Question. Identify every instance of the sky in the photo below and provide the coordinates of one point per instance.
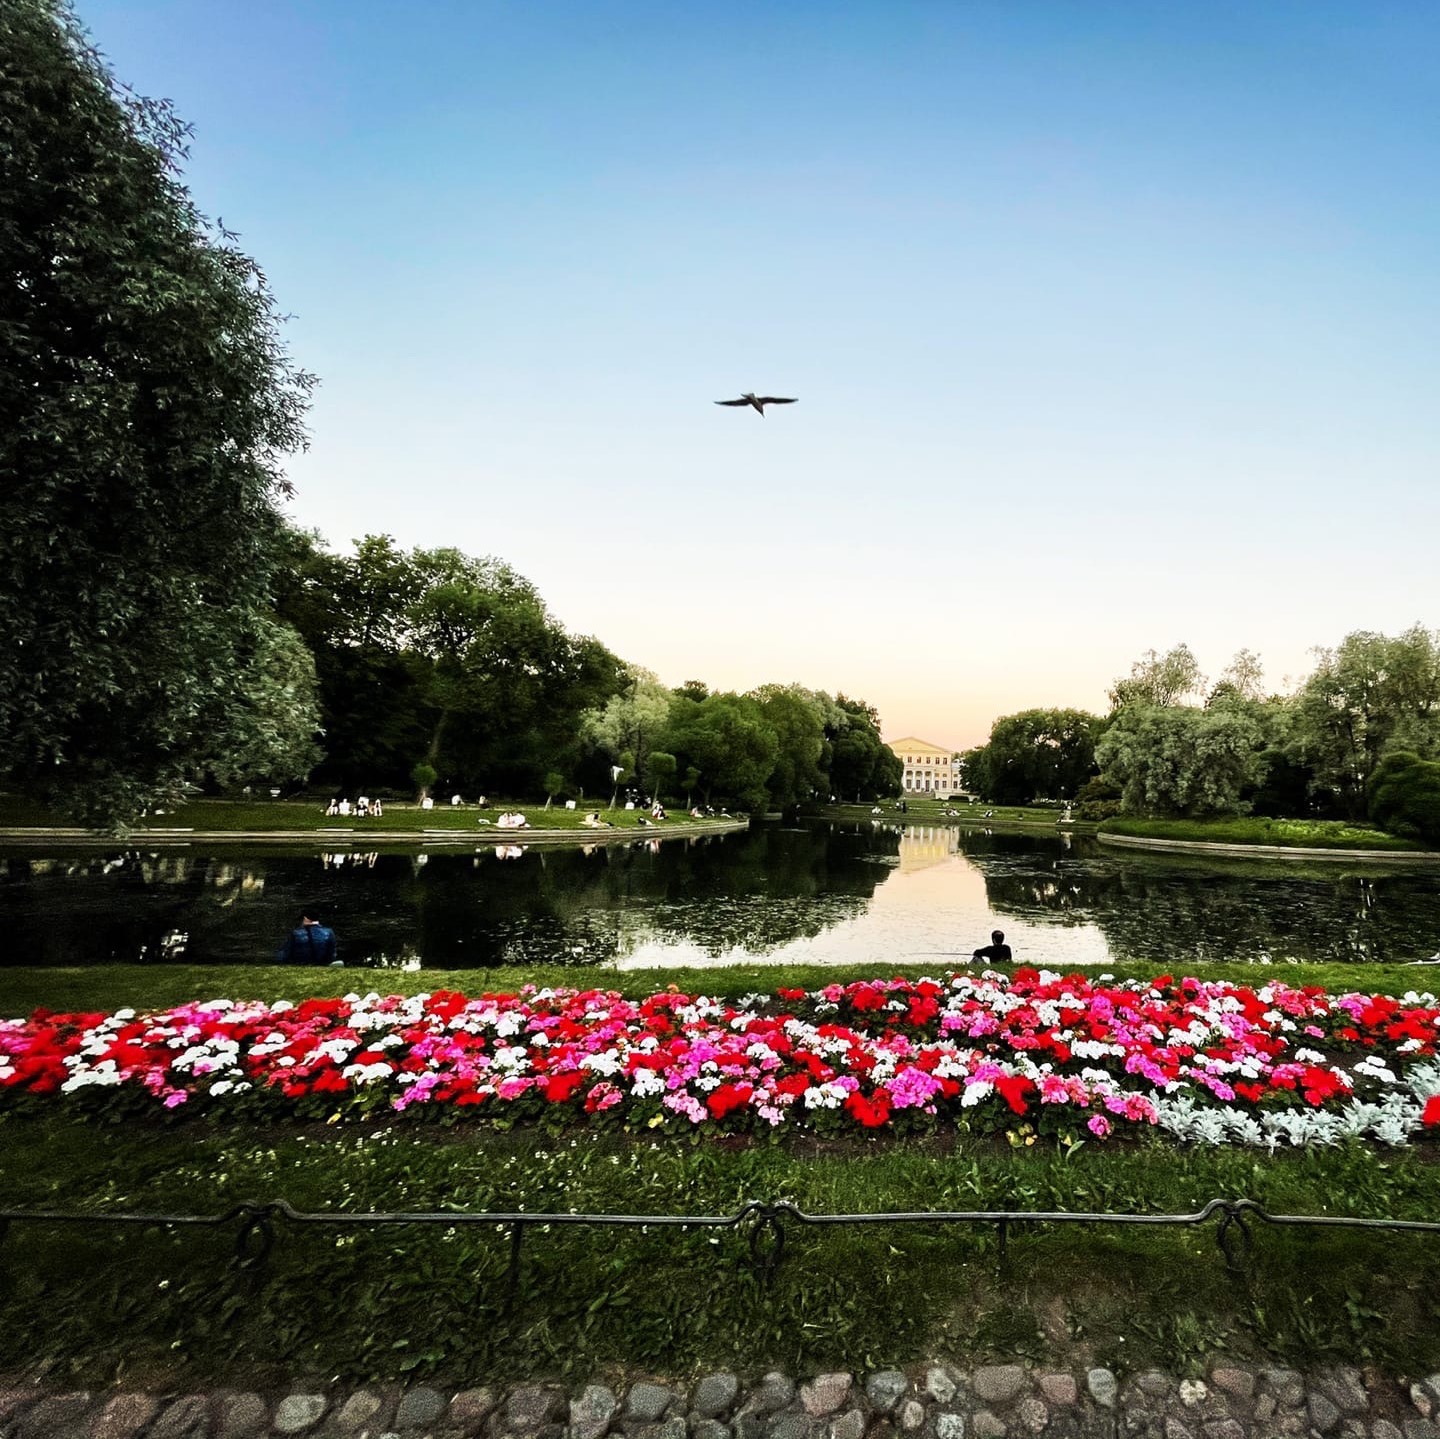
(1113, 325)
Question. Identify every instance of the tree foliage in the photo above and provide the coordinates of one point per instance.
(1158, 680)
(436, 658)
(1035, 754)
(1181, 761)
(1405, 796)
(1369, 696)
(148, 405)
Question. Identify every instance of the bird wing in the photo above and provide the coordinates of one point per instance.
(732, 402)
(776, 400)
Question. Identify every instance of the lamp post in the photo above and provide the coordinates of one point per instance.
(616, 770)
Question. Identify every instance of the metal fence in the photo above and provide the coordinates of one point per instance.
(764, 1223)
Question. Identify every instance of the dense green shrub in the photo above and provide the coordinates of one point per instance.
(1405, 796)
(1098, 799)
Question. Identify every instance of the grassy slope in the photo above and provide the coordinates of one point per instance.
(1297, 833)
(305, 815)
(161, 1307)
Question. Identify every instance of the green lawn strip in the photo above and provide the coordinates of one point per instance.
(929, 811)
(308, 813)
(1288, 833)
(154, 986)
(166, 1306)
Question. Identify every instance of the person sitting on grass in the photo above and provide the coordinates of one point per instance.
(997, 951)
(310, 942)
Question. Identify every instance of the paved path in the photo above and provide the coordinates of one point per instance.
(936, 1400)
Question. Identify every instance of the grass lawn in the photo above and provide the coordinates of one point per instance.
(308, 814)
(932, 811)
(167, 1307)
(24, 989)
(161, 1307)
(1290, 833)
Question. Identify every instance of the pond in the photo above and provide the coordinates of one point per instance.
(876, 893)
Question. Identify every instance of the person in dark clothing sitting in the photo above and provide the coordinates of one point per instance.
(997, 951)
(310, 942)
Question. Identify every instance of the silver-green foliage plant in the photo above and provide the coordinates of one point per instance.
(147, 405)
(1177, 760)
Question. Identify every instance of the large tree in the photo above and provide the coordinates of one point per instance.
(148, 403)
(1157, 679)
(1370, 696)
(862, 765)
(435, 661)
(1038, 754)
(1182, 761)
(797, 717)
(730, 744)
(627, 728)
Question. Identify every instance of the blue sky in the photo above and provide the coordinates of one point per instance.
(1113, 325)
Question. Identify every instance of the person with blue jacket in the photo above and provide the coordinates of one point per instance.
(310, 942)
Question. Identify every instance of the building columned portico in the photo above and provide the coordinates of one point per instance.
(930, 769)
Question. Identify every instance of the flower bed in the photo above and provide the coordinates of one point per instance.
(1209, 1062)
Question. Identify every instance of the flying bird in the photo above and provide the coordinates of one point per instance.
(757, 402)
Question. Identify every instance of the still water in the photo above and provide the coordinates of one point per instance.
(856, 893)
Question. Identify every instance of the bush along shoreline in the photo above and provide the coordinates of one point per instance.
(1281, 833)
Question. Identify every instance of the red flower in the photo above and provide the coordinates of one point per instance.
(1014, 1088)
(729, 1096)
(559, 1087)
(1431, 1116)
(872, 1112)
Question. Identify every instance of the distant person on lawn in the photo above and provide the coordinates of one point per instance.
(310, 942)
(997, 951)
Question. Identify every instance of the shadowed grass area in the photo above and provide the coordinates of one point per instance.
(1287, 833)
(24, 989)
(168, 1307)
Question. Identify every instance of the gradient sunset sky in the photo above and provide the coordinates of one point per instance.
(1113, 325)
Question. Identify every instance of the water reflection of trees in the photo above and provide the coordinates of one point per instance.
(758, 890)
(1178, 911)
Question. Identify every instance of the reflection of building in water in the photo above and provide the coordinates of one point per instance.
(930, 769)
(922, 845)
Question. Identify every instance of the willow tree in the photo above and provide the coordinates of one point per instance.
(147, 405)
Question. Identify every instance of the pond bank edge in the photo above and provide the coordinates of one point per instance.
(322, 838)
(1424, 859)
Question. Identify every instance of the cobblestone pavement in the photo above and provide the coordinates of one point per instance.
(939, 1400)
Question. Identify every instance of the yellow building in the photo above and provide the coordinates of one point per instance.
(930, 769)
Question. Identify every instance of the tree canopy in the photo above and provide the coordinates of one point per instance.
(1370, 696)
(1035, 754)
(148, 403)
(437, 663)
